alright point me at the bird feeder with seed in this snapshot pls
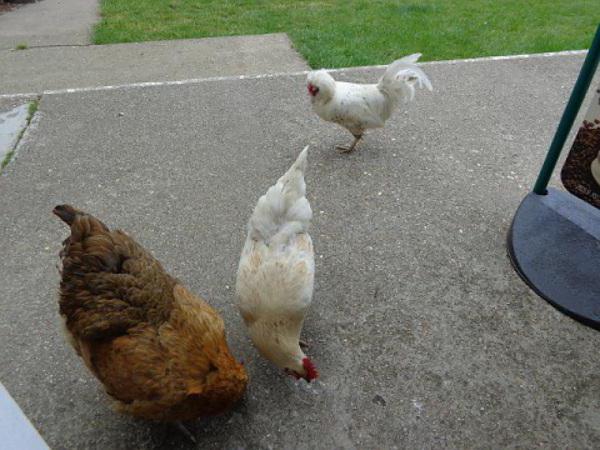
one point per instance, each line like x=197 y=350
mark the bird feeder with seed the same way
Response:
x=554 y=239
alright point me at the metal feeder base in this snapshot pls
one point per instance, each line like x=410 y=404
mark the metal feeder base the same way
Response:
x=554 y=245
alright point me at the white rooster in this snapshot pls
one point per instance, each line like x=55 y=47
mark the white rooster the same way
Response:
x=358 y=107
x=276 y=272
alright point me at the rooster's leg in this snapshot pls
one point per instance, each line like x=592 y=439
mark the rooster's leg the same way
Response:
x=346 y=149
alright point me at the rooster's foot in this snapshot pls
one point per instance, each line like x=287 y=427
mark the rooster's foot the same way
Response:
x=345 y=148
x=303 y=344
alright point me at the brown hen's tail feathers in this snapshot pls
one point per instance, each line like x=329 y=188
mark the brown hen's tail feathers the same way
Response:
x=67 y=213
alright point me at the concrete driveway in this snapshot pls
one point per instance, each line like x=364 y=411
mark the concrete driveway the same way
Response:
x=49 y=23
x=423 y=334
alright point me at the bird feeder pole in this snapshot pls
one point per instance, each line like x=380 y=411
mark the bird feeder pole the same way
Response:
x=566 y=122
x=554 y=239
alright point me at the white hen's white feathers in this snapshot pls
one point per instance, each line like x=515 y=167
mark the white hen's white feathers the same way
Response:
x=284 y=210
x=358 y=107
x=276 y=271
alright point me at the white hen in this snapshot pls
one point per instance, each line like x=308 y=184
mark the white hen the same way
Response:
x=276 y=272
x=358 y=107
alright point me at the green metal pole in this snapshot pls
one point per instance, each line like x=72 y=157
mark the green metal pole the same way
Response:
x=566 y=122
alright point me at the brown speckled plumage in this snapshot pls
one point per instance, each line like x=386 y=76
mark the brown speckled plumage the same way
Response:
x=159 y=351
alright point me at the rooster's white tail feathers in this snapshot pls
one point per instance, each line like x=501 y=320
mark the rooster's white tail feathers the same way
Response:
x=284 y=210
x=401 y=77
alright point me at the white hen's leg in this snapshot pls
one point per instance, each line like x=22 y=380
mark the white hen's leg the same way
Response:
x=348 y=149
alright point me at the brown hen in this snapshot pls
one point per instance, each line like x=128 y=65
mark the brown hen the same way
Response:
x=159 y=350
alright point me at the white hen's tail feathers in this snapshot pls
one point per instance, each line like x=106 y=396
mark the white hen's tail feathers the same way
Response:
x=284 y=210
x=401 y=76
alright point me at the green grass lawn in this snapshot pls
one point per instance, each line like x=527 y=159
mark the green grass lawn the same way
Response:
x=363 y=32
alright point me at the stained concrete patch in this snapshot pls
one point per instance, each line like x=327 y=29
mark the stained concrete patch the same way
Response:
x=48 y=22
x=12 y=124
x=423 y=334
x=36 y=70
x=15 y=430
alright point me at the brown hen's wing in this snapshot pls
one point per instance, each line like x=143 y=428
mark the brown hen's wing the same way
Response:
x=109 y=282
x=179 y=371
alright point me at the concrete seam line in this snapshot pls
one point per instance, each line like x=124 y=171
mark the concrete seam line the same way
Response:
x=280 y=74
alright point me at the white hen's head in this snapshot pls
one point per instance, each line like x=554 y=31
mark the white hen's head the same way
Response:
x=321 y=86
x=275 y=342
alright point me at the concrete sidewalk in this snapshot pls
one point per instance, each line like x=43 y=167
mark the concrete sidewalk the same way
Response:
x=424 y=335
x=48 y=22
x=39 y=69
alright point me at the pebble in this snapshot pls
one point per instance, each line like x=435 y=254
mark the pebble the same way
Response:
x=379 y=400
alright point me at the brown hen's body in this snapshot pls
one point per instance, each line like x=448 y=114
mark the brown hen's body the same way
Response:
x=159 y=350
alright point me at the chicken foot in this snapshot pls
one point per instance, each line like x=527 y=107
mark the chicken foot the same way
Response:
x=348 y=149
x=187 y=433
